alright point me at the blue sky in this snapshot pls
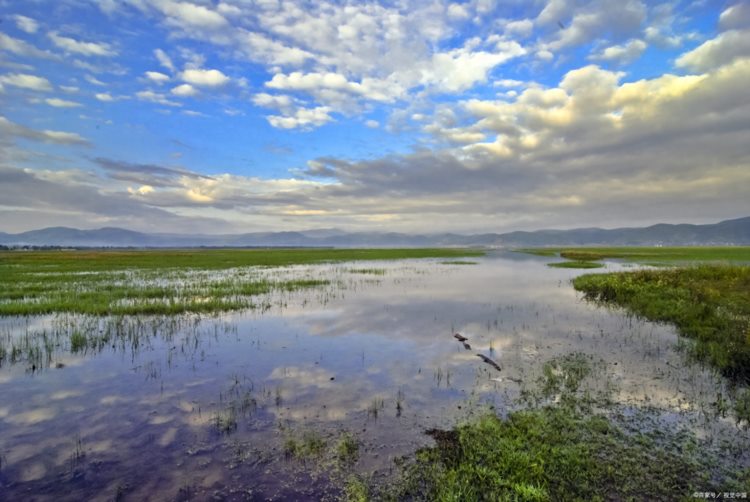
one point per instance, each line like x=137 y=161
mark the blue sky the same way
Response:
x=416 y=116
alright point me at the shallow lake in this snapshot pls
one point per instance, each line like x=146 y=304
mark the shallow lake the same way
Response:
x=206 y=407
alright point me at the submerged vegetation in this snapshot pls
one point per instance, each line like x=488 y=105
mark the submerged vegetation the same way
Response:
x=165 y=281
x=709 y=304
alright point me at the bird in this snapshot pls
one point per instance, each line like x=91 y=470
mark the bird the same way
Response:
x=460 y=337
x=489 y=361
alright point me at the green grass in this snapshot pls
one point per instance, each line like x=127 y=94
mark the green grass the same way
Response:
x=684 y=254
x=367 y=271
x=165 y=282
x=575 y=264
x=553 y=453
x=347 y=448
x=709 y=304
x=311 y=444
x=539 y=251
x=205 y=259
x=458 y=262
x=567 y=450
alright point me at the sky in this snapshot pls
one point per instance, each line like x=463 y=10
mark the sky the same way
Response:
x=230 y=116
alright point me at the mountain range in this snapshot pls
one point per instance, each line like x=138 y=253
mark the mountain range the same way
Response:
x=728 y=232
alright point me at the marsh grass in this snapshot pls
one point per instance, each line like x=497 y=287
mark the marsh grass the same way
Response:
x=165 y=282
x=567 y=449
x=710 y=304
x=310 y=444
x=347 y=449
x=653 y=254
x=370 y=271
x=576 y=264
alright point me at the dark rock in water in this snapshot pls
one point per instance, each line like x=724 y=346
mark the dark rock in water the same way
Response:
x=489 y=361
x=59 y=365
x=467 y=346
x=460 y=337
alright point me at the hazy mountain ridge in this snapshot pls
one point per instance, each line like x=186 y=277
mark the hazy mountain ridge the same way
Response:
x=736 y=231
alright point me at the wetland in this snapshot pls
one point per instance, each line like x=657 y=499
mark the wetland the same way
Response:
x=337 y=374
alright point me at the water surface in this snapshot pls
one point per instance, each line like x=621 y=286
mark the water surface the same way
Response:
x=201 y=407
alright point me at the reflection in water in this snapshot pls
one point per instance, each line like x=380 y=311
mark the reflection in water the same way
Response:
x=201 y=406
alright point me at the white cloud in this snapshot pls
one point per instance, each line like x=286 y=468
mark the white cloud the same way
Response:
x=204 y=78
x=185 y=14
x=457 y=11
x=26 y=24
x=156 y=77
x=616 y=19
x=303 y=118
x=521 y=28
x=164 y=59
x=280 y=102
x=25 y=81
x=184 y=90
x=621 y=54
x=461 y=69
x=108 y=98
x=84 y=48
x=372 y=124
x=70 y=88
x=21 y=48
x=93 y=80
x=725 y=48
x=61 y=103
x=155 y=97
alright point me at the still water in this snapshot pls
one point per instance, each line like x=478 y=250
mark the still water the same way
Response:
x=204 y=407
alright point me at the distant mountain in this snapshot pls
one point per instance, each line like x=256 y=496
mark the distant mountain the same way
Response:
x=731 y=232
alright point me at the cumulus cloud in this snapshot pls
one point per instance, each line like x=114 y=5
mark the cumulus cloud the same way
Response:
x=724 y=49
x=72 y=45
x=616 y=19
x=304 y=118
x=342 y=57
x=26 y=81
x=186 y=14
x=621 y=54
x=280 y=102
x=156 y=77
x=461 y=69
x=204 y=78
x=184 y=90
